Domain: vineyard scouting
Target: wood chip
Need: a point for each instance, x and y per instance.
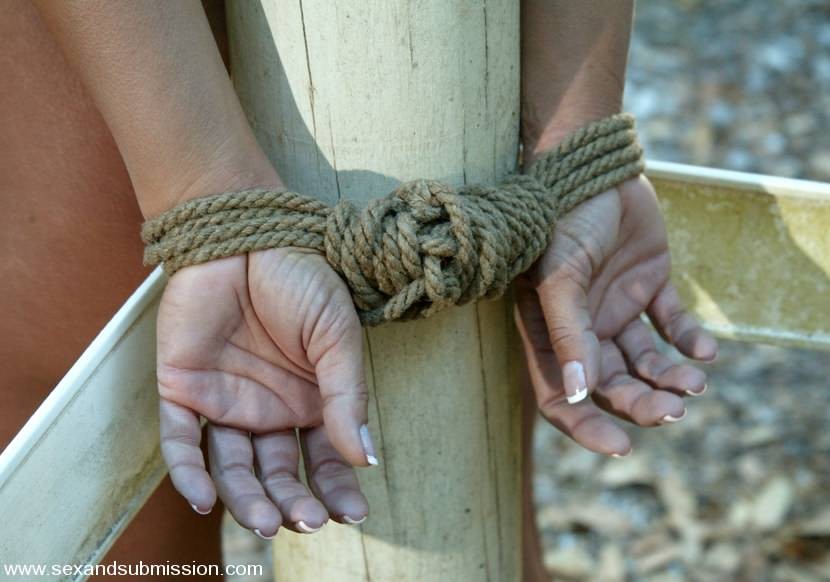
(772, 504)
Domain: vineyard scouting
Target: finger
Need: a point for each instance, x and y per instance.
(630, 398)
(231, 465)
(332, 480)
(564, 300)
(277, 461)
(637, 344)
(583, 422)
(679, 328)
(181, 434)
(343, 389)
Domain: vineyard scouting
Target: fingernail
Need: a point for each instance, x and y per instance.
(619, 456)
(260, 534)
(573, 376)
(700, 392)
(670, 418)
(368, 445)
(305, 528)
(351, 521)
(200, 512)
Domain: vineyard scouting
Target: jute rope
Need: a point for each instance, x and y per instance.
(424, 246)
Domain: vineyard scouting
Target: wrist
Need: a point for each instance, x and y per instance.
(163, 193)
(541, 136)
(574, 58)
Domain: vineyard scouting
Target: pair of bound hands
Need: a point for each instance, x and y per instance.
(263, 344)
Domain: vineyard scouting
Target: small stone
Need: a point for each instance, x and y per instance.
(631, 470)
(570, 562)
(772, 504)
(723, 557)
(820, 164)
(611, 564)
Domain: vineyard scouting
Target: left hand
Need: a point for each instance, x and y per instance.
(579, 310)
(261, 345)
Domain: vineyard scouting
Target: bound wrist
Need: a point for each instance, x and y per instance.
(541, 136)
(214, 180)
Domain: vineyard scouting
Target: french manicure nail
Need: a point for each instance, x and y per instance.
(260, 534)
(368, 445)
(670, 418)
(200, 512)
(573, 376)
(619, 456)
(351, 521)
(305, 528)
(699, 392)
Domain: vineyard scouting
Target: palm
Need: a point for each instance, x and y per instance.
(621, 235)
(607, 264)
(260, 345)
(261, 329)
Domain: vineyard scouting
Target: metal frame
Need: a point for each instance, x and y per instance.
(752, 258)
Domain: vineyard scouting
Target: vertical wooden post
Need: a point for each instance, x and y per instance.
(349, 98)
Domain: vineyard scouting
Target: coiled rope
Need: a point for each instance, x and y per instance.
(424, 246)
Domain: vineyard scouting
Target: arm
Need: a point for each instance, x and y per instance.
(579, 308)
(158, 79)
(573, 65)
(257, 344)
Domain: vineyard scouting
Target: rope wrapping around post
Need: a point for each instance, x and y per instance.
(423, 247)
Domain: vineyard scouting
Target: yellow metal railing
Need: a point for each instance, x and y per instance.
(751, 255)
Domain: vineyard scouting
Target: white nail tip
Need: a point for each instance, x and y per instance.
(580, 395)
(197, 510)
(701, 393)
(373, 460)
(619, 456)
(351, 521)
(670, 418)
(573, 375)
(305, 528)
(260, 534)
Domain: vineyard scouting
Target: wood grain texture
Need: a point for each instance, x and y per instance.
(349, 99)
(88, 459)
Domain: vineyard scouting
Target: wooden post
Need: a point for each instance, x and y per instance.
(349, 98)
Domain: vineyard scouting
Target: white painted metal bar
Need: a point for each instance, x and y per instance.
(752, 253)
(87, 460)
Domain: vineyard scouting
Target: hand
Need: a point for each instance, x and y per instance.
(259, 345)
(579, 309)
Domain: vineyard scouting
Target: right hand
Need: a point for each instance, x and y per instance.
(260, 345)
(578, 310)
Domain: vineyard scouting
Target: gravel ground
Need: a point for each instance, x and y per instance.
(739, 489)
(734, 84)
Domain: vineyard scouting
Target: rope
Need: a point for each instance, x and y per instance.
(424, 246)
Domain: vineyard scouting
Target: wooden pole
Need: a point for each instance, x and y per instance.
(348, 99)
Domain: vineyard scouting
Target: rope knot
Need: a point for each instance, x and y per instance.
(406, 255)
(423, 247)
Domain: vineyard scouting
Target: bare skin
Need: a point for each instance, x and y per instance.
(277, 347)
(267, 363)
(606, 265)
(156, 76)
(63, 274)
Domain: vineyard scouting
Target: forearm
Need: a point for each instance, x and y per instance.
(156, 75)
(574, 55)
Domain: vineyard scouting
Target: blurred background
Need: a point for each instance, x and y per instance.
(740, 489)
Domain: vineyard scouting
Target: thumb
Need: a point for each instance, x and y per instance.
(564, 300)
(345, 397)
